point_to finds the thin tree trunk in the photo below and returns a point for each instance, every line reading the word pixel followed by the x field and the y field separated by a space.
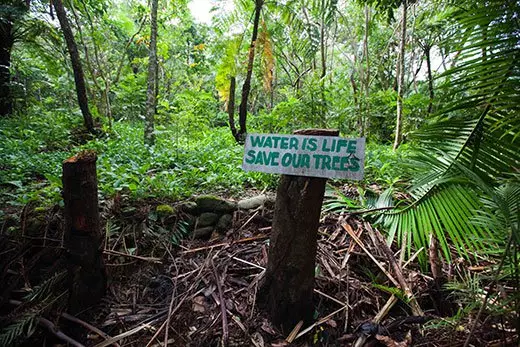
pixel 103 104
pixel 323 53
pixel 125 52
pixel 356 95
pixel 332 48
pixel 271 94
pixel 242 111
pixel 231 107
pixel 400 80
pixel 427 51
pixel 359 121
pixel 79 78
pixel 6 44
pixel 106 96
pixel 151 92
pixel 104 76
pixel 366 124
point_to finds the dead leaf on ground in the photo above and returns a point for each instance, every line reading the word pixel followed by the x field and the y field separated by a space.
pixel 389 342
pixel 198 304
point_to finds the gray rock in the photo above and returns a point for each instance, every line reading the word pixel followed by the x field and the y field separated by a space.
pixel 224 223
pixel 203 233
pixel 208 203
pixel 207 219
pixel 251 203
pixel 188 207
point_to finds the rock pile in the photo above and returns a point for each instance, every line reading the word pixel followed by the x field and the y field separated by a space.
pixel 207 214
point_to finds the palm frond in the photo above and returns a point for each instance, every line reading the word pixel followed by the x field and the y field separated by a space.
pixel 336 200
pixel 477 133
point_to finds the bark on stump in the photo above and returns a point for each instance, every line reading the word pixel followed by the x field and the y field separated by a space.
pixel 287 290
pixel 83 240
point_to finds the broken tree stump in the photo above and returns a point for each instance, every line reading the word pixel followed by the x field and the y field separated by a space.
pixel 287 289
pixel 82 232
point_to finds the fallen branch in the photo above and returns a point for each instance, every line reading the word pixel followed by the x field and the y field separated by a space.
pixel 386 308
pixel 225 330
pixel 317 291
pixel 88 326
pixel 248 221
pixel 146 324
pixel 414 305
pixel 353 213
pixel 49 325
pixel 320 322
pixel 58 333
pixel 294 332
pixel 348 228
pixel 153 260
pixel 350 249
pixel 154 337
pixel 247 239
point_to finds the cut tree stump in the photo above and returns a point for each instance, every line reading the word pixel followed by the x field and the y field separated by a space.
pixel 82 238
pixel 287 289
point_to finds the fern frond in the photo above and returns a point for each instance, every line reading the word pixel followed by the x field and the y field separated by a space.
pixel 42 292
pixel 181 230
pixel 19 330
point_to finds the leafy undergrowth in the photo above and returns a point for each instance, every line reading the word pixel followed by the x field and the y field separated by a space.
pixel 34 146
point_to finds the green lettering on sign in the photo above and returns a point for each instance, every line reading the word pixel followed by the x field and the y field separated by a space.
pixel 303 155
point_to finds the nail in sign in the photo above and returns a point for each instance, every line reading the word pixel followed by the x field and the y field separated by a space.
pixel 305 155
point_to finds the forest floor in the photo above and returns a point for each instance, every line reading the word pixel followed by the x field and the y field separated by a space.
pixel 203 292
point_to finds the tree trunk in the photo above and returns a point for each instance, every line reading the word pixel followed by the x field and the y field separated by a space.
pixel 323 53
pixel 105 91
pixel 151 90
pixel 427 51
pixel 357 104
pixel 366 124
pixel 323 62
pixel 400 80
pixel 287 289
pixel 6 44
pixel 242 110
pixel 79 78
pixel 231 108
pixel 82 238
pixel 271 93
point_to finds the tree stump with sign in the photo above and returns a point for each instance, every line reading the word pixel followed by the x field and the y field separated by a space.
pixel 83 239
pixel 287 289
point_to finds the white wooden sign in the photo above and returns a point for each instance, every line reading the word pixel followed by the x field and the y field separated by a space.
pixel 305 155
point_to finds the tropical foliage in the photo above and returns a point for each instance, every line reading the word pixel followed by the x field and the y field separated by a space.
pixel 476 133
pixel 449 69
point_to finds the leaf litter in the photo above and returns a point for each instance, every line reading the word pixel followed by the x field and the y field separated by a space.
pixel 203 293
